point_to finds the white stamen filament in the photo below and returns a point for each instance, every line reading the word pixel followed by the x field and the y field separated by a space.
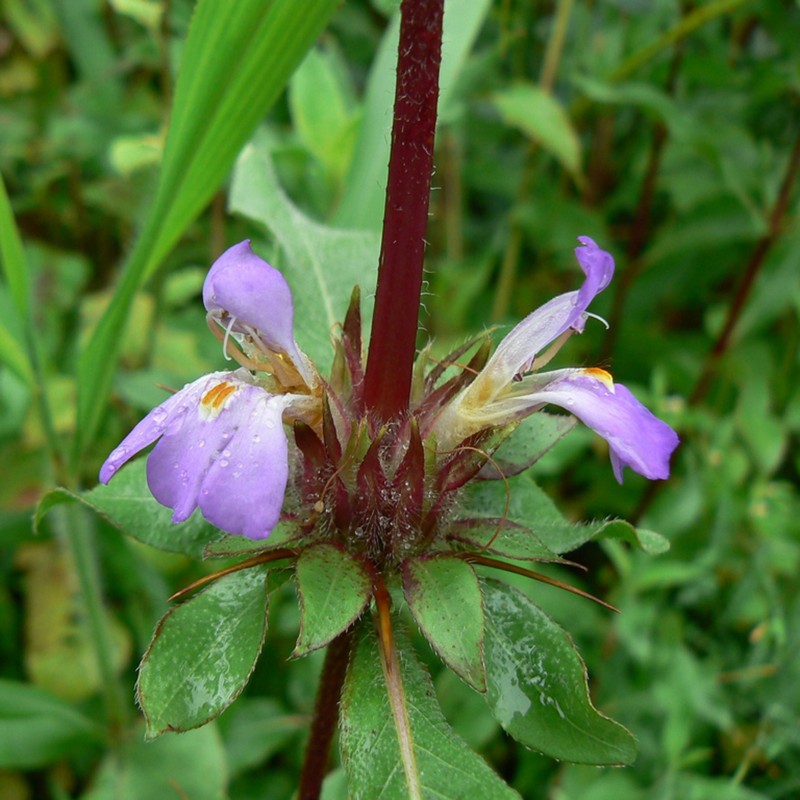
pixel 228 330
pixel 597 316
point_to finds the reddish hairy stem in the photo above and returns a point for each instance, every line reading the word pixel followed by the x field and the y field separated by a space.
pixel 394 327
pixel 326 716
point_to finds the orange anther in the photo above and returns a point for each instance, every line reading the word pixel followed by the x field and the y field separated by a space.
pixel 601 375
pixel 217 395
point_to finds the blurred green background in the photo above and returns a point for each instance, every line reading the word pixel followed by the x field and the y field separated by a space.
pixel 668 131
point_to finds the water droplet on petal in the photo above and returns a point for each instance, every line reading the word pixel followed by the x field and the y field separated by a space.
pixel 223 462
pixel 256 438
pixel 201 443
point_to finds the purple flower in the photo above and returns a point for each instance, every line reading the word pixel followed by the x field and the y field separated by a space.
pixel 221 446
pixel 503 392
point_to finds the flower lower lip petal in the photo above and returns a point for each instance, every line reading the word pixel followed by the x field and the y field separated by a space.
pixel 637 438
pixel 242 490
pixel 164 418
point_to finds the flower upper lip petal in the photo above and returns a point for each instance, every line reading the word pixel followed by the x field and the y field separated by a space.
pixel 244 292
pixel 519 348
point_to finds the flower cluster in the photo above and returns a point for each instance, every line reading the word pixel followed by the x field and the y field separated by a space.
pixel 222 447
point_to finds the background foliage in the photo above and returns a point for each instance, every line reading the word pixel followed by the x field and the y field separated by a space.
pixel 667 131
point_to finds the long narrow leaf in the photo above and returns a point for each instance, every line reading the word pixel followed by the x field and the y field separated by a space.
pixel 237 59
pixel 13 355
pixel 13 351
pixel 12 256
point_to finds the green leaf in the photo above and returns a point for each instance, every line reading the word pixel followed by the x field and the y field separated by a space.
pixel 532 438
pixel 127 504
pixel 254 729
pixel 321 264
pixel 536 685
pixel 334 589
pixel 530 507
pixel 13 355
pixel 284 534
pixel 203 653
pixel 146 12
pixel 650 542
pixel 645 96
pixel 363 199
pixel 13 351
pixel 34 24
pixel 89 45
pixel 444 597
pixel 188 766
pixel 543 119
pixel 237 59
pixel 379 734
pixel 12 257
pixel 37 728
pixel 502 538
pixel 321 111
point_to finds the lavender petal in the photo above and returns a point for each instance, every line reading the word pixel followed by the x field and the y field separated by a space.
pixel 637 438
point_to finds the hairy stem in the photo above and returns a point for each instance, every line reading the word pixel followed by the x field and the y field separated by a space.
pixel 326 716
pixel 394 327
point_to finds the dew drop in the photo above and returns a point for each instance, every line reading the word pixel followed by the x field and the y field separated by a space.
pixel 201 443
pixel 223 462
pixel 256 438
